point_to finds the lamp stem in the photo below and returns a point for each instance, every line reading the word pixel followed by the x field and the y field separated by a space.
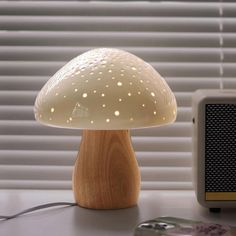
pixel 106 173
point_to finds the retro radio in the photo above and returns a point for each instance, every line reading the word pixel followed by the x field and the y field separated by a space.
pixel 214 148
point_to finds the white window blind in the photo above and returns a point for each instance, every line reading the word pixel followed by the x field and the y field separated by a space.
pixel 192 44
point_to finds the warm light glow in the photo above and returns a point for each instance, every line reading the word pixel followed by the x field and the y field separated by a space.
pixel 103 84
pixel 117 113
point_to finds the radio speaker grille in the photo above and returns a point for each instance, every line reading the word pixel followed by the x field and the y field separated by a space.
pixel 220 148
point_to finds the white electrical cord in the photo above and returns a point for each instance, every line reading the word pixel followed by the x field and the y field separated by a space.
pixel 36 208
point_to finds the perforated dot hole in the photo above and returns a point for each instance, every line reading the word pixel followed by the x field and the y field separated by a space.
pixel 117 113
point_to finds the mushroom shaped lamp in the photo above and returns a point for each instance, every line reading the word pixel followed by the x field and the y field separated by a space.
pixel 106 92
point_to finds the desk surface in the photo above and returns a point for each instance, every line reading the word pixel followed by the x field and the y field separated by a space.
pixel 74 221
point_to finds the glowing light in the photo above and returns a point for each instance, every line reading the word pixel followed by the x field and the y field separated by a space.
pixel 117 113
pixel 84 95
pixel 107 120
pixel 119 83
pixel 52 109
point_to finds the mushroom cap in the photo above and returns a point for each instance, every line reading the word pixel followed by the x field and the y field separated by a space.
pixel 106 89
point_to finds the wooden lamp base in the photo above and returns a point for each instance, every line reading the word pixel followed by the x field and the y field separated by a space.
pixel 106 173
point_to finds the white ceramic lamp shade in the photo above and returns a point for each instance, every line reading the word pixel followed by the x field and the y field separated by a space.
pixel 106 89
pixel 106 92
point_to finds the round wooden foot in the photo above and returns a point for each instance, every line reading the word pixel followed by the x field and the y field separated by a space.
pixel 106 173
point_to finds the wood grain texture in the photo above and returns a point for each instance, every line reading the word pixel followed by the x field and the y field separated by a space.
pixel 106 173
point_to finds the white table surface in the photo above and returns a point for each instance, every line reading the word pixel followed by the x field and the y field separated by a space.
pixel 76 221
